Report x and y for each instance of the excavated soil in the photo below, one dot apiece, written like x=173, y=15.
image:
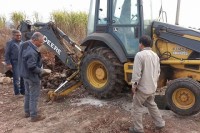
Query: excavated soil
x=79, y=112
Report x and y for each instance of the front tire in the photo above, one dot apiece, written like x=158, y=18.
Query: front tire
x=183, y=96
x=102, y=73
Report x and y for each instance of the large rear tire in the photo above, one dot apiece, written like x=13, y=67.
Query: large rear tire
x=183, y=96
x=102, y=73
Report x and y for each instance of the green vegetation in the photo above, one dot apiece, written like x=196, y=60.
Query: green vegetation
x=74, y=24
x=2, y=22
x=36, y=17
x=16, y=17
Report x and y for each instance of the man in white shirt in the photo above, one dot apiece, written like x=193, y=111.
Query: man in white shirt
x=146, y=71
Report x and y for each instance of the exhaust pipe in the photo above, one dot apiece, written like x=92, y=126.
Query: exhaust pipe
x=178, y=12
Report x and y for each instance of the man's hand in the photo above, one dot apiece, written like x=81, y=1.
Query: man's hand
x=134, y=88
x=46, y=72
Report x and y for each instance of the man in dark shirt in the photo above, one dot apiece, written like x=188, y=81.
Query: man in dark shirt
x=31, y=70
x=11, y=59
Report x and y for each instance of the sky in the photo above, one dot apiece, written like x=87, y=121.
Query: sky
x=189, y=15
x=189, y=11
x=42, y=7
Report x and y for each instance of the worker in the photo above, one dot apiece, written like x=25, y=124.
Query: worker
x=146, y=71
x=11, y=59
x=31, y=70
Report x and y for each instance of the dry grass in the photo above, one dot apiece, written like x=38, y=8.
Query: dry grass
x=2, y=22
x=5, y=35
x=74, y=24
x=17, y=17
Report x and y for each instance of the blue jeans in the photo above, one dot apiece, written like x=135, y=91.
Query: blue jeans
x=22, y=87
x=32, y=92
x=18, y=83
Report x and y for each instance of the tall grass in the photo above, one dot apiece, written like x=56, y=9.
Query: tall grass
x=36, y=17
x=17, y=17
x=4, y=35
x=4, y=31
x=74, y=24
x=2, y=22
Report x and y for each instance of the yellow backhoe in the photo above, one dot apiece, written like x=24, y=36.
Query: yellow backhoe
x=114, y=29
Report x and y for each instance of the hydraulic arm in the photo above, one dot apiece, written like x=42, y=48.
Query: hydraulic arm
x=69, y=53
x=54, y=41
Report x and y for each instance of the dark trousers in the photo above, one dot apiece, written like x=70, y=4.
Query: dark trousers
x=31, y=97
x=22, y=86
x=18, y=83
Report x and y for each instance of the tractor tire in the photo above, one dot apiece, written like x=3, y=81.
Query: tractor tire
x=161, y=101
x=102, y=73
x=183, y=96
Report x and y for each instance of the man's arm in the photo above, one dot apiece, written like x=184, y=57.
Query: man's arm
x=137, y=72
x=32, y=63
x=137, y=69
x=7, y=55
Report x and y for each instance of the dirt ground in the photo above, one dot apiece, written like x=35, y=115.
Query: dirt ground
x=81, y=113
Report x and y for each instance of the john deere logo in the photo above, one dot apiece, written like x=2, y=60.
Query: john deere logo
x=52, y=45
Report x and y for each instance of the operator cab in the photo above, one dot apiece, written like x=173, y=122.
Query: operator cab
x=123, y=19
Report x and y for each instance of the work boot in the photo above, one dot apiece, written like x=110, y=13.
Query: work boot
x=26, y=115
x=22, y=93
x=19, y=96
x=37, y=118
x=159, y=128
x=132, y=130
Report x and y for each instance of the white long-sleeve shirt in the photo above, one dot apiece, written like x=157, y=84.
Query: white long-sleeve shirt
x=146, y=70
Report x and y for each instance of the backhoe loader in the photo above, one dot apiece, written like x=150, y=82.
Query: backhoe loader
x=114, y=29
